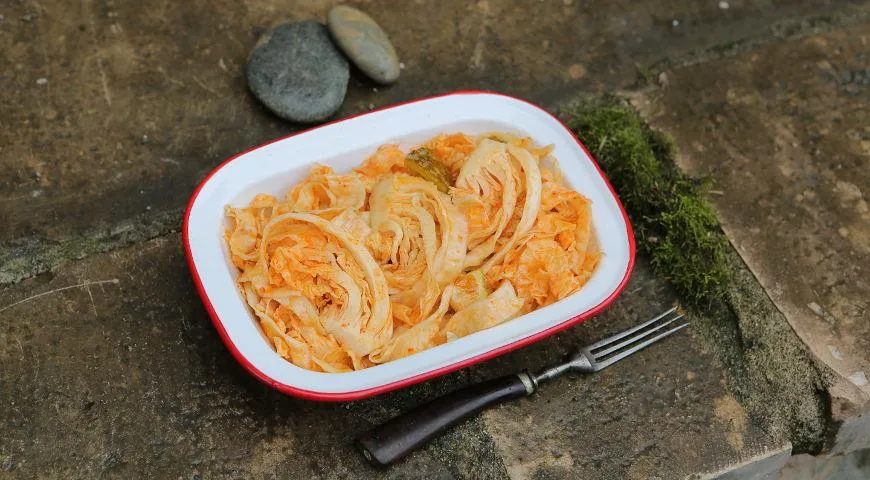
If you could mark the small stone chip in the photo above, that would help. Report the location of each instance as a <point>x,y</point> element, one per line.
<point>816,308</point>
<point>663,79</point>
<point>577,71</point>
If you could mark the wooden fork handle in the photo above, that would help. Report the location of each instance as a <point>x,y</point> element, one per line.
<point>396,438</point>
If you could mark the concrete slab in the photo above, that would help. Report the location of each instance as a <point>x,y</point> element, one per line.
<point>763,467</point>
<point>836,467</point>
<point>667,413</point>
<point>112,368</point>
<point>127,379</point>
<point>113,112</point>
<point>783,133</point>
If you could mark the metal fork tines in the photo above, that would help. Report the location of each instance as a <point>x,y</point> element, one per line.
<point>613,349</point>
<point>604,353</point>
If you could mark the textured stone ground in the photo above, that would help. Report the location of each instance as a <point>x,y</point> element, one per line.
<point>117,378</point>
<point>112,112</point>
<point>785,137</point>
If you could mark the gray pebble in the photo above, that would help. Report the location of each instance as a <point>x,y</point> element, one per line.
<point>364,42</point>
<point>297,72</point>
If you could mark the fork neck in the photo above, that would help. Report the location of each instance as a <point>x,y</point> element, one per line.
<point>551,373</point>
<point>579,363</point>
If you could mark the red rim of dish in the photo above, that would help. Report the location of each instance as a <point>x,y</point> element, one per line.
<point>368,392</point>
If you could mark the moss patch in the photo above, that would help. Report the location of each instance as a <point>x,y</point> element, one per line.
<point>674,225</point>
<point>769,369</point>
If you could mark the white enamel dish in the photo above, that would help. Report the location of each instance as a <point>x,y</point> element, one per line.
<point>276,166</point>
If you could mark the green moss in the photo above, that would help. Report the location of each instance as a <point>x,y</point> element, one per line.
<point>769,369</point>
<point>673,223</point>
<point>644,76</point>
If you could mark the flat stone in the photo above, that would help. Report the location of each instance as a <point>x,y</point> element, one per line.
<point>132,378</point>
<point>111,367</point>
<point>664,413</point>
<point>762,467</point>
<point>150,100</point>
<point>787,149</point>
<point>297,72</point>
<point>835,467</point>
<point>364,42</point>
<point>116,371</point>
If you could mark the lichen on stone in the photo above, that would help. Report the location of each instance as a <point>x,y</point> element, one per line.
<point>673,222</point>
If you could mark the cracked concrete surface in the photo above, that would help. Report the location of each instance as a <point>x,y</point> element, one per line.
<point>127,376</point>
<point>112,112</point>
<point>784,136</point>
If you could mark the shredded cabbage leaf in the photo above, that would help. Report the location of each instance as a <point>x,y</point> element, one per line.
<point>350,270</point>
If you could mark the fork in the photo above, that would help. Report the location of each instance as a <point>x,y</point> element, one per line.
<point>396,438</point>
